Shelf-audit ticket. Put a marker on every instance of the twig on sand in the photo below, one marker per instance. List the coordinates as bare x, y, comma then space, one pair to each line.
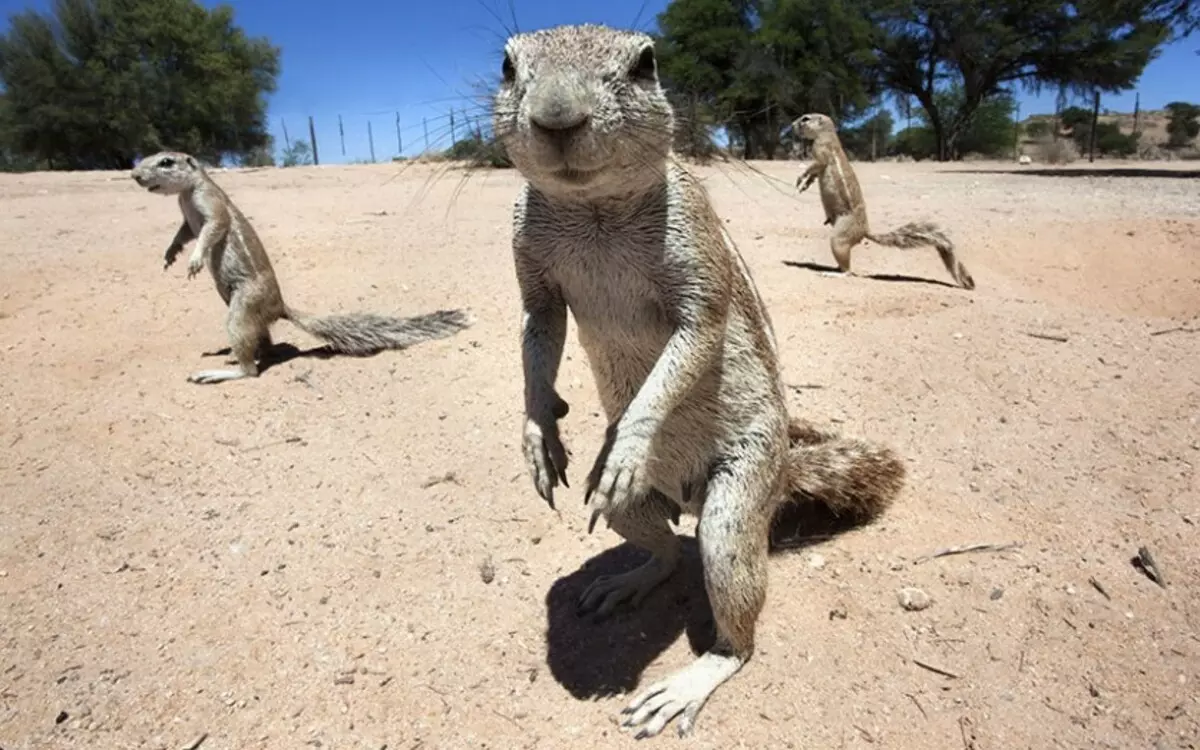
1176, 329
1047, 337
947, 551
935, 670
917, 703
199, 741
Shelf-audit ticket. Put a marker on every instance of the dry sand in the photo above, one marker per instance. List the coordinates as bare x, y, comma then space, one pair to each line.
348, 553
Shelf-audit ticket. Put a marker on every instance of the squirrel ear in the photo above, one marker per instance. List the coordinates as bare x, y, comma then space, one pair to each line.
192, 163
646, 67
507, 69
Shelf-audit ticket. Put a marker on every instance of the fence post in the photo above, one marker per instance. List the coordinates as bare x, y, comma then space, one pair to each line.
1095, 121
312, 134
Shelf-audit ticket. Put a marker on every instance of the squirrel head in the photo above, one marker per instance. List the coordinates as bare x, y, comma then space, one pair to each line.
811, 125
168, 172
580, 111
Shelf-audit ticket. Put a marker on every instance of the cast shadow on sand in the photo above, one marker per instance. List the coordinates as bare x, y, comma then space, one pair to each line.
819, 268
1127, 172
279, 353
601, 659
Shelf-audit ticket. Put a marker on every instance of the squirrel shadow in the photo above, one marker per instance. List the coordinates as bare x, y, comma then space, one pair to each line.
280, 353
819, 268
599, 659
1128, 172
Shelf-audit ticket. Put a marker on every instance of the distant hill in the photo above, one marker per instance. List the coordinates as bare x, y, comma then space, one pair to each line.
1151, 123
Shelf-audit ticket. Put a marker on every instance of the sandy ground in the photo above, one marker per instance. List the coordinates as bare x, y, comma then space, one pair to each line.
348, 553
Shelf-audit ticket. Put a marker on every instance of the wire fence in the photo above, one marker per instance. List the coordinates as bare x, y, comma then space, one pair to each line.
378, 136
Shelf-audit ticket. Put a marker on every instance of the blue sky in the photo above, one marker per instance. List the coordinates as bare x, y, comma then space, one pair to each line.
369, 60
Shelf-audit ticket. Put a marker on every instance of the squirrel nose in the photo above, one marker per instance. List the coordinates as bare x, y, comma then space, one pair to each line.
560, 120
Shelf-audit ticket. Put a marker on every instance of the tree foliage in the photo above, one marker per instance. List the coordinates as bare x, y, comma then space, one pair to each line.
1183, 125
96, 83
989, 131
481, 149
752, 66
297, 154
870, 139
987, 45
1109, 138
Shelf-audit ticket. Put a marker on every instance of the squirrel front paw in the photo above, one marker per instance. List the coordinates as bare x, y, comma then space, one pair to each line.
172, 252
545, 456
620, 473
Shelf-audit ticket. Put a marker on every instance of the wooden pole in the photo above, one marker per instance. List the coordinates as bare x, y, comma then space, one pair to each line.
312, 134
342, 135
371, 141
1137, 110
425, 127
453, 136
1095, 120
1017, 132
287, 141
399, 139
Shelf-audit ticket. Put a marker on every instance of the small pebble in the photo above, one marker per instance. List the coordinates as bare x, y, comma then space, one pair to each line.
996, 594
816, 562
913, 600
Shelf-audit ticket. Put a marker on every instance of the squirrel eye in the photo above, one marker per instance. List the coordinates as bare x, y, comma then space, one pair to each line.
168, 162
508, 69
646, 68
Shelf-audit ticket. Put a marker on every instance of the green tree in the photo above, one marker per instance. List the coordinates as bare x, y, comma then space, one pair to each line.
1037, 129
917, 142
1184, 123
870, 138
1109, 138
699, 46
986, 45
988, 131
297, 154
96, 83
479, 149
752, 66
263, 156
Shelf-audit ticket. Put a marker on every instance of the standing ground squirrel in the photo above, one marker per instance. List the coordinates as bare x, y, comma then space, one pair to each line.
246, 281
611, 227
846, 210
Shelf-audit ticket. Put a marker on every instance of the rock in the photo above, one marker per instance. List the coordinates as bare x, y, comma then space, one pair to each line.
914, 600
816, 562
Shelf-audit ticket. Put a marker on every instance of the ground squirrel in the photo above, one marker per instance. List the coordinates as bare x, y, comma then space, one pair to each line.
611, 227
246, 281
846, 210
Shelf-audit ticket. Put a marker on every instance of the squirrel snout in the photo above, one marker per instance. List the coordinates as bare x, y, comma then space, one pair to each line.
557, 109
559, 120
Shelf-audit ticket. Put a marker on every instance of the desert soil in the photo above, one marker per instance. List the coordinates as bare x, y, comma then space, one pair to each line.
348, 553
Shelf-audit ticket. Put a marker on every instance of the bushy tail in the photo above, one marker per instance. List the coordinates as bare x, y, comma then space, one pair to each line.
366, 333
924, 234
851, 477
